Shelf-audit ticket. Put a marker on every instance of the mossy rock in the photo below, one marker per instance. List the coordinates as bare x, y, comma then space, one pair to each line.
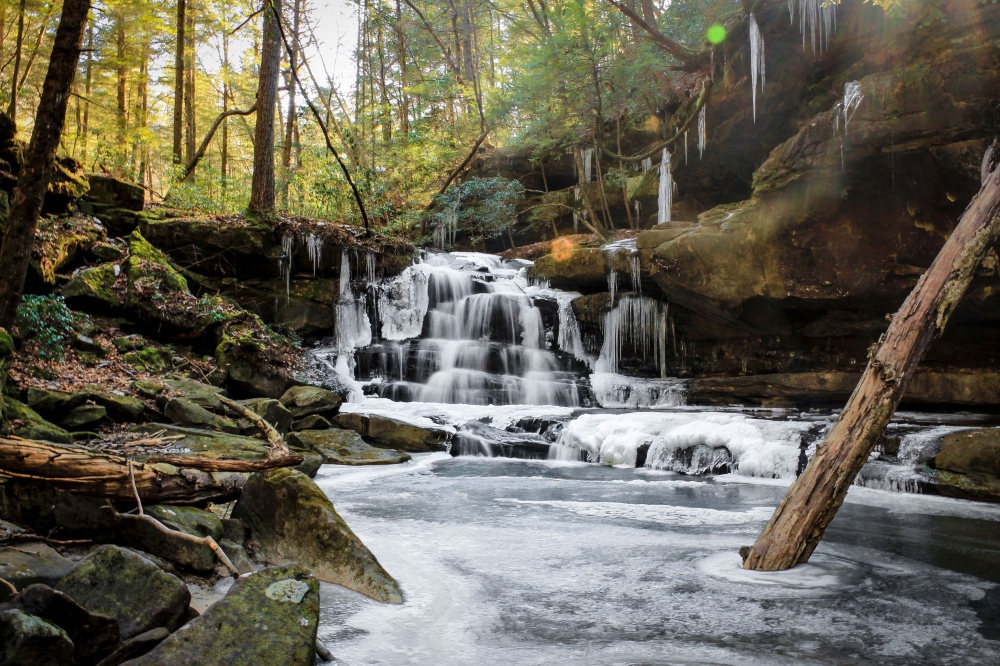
26, 639
345, 447
202, 394
968, 465
393, 434
304, 401
34, 426
186, 413
31, 563
207, 444
290, 519
119, 583
189, 519
272, 411
579, 268
270, 617
154, 360
94, 287
253, 358
59, 240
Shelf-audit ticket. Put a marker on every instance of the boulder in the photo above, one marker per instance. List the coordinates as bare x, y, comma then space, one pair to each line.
56, 403
269, 617
311, 461
136, 646
59, 241
206, 443
93, 635
253, 358
390, 433
115, 582
33, 562
237, 554
45, 401
271, 411
305, 401
290, 519
189, 519
33, 426
203, 395
345, 447
186, 413
968, 465
133, 531
311, 422
26, 639
115, 193
576, 268
82, 417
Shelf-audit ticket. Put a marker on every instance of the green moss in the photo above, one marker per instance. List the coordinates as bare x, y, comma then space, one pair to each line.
95, 283
6, 344
150, 359
147, 264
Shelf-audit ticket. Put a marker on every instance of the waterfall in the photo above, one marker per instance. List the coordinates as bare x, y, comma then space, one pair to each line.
666, 189
756, 61
640, 322
352, 328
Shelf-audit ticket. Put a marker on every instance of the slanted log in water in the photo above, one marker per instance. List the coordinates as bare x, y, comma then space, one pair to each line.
89, 472
813, 499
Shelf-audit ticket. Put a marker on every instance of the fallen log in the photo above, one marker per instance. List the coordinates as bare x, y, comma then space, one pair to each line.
813, 499
88, 472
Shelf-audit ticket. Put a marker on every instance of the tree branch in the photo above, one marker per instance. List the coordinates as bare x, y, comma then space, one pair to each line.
649, 152
211, 133
679, 51
447, 54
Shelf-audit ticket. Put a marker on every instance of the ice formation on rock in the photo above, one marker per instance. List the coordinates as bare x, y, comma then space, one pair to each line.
647, 165
756, 61
314, 250
818, 18
588, 158
666, 189
640, 322
702, 132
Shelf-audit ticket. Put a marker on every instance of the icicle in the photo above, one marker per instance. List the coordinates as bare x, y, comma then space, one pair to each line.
314, 247
756, 61
820, 21
588, 157
852, 98
370, 266
666, 190
702, 132
685, 147
647, 165
638, 209
287, 248
635, 269
612, 285
576, 222
791, 12
640, 322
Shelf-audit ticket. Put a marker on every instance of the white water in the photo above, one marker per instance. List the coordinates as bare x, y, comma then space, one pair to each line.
516, 563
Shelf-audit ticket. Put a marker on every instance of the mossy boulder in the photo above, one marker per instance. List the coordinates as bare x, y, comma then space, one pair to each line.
94, 288
968, 465
393, 434
272, 411
55, 403
573, 268
254, 359
207, 444
119, 583
189, 519
26, 639
204, 395
33, 562
59, 240
269, 617
84, 416
290, 519
345, 447
312, 422
305, 401
32, 426
115, 192
184, 412
6, 357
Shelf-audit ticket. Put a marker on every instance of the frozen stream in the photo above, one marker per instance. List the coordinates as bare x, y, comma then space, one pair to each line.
546, 562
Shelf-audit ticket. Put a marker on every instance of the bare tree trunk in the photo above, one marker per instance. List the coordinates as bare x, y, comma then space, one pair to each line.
179, 84
87, 90
290, 119
404, 103
813, 499
384, 114
224, 166
38, 163
140, 150
18, 47
262, 185
190, 70
121, 72
467, 64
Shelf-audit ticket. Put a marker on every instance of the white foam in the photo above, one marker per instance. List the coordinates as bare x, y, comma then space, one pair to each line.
444, 415
664, 514
820, 572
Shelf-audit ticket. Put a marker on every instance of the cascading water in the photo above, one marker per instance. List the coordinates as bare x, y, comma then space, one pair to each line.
468, 328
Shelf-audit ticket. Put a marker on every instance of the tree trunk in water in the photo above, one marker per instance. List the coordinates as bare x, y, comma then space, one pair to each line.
18, 48
189, 90
38, 163
179, 85
813, 499
262, 185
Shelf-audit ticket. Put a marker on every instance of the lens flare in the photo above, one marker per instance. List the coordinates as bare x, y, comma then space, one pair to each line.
562, 249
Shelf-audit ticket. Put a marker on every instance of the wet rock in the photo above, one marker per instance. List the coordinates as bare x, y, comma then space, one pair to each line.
969, 465
311, 461
186, 413
253, 358
135, 646
26, 639
305, 401
477, 439
83, 416
31, 562
271, 411
32, 425
290, 519
203, 395
141, 534
345, 447
312, 422
578, 268
237, 554
390, 433
189, 519
269, 617
93, 635
115, 582
206, 443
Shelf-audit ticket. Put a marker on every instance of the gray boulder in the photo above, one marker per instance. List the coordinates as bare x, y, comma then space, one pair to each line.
304, 401
269, 617
118, 583
290, 519
383, 431
201, 394
312, 422
33, 562
189, 519
26, 639
345, 447
271, 411
187, 413
82, 417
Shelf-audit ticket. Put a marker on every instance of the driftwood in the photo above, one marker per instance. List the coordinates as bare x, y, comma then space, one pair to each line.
274, 437
88, 472
813, 499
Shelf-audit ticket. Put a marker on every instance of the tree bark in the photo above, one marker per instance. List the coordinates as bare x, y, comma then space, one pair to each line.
179, 84
18, 47
290, 118
34, 178
404, 104
262, 184
190, 70
121, 71
813, 499
95, 474
200, 153
87, 89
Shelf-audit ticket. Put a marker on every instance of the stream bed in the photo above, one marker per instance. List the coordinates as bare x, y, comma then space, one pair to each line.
540, 562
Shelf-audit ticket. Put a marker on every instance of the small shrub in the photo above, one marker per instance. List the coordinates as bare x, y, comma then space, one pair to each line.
47, 321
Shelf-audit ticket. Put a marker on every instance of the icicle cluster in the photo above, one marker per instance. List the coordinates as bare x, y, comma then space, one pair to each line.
314, 247
647, 165
352, 328
612, 285
570, 340
588, 158
445, 232
370, 267
818, 18
640, 322
636, 270
285, 263
756, 61
666, 190
702, 132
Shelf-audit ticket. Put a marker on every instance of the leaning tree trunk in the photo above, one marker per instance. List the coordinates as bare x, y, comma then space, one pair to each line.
813, 499
262, 184
34, 179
